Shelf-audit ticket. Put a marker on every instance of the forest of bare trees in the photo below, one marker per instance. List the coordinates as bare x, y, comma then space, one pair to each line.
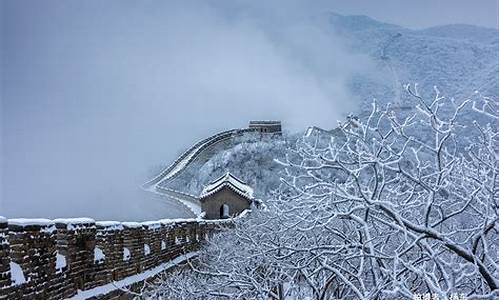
393, 207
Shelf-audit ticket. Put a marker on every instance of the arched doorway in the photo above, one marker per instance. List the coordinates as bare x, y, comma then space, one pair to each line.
224, 211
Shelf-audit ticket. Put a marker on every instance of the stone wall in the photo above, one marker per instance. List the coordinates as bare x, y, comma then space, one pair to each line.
58, 259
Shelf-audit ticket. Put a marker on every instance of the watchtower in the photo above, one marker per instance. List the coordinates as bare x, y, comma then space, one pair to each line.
266, 126
225, 197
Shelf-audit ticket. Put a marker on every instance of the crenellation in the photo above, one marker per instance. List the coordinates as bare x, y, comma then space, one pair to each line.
109, 239
152, 242
166, 242
32, 248
133, 242
44, 259
190, 231
76, 241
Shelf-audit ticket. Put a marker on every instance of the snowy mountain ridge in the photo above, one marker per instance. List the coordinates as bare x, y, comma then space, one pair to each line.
458, 59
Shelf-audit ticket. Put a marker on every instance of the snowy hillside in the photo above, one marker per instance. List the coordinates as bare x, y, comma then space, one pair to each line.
459, 59
250, 158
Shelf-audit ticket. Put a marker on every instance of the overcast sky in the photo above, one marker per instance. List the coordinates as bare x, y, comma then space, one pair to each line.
95, 93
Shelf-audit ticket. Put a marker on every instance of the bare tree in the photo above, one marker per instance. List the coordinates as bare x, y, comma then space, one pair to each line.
385, 208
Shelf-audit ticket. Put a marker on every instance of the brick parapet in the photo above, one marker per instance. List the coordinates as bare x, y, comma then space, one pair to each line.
5, 277
53, 259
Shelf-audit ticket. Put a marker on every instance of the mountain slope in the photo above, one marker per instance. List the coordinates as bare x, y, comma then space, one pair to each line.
459, 59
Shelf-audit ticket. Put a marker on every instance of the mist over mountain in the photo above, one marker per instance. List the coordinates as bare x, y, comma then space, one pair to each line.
312, 71
458, 59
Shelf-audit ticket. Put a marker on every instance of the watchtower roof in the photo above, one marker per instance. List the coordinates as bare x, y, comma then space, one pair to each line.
265, 122
230, 181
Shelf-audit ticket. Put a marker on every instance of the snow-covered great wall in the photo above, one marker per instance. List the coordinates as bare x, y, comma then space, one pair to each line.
83, 259
198, 152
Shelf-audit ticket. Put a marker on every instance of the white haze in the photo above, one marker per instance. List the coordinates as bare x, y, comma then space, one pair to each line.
97, 93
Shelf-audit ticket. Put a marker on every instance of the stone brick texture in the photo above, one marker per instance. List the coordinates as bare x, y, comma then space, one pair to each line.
35, 248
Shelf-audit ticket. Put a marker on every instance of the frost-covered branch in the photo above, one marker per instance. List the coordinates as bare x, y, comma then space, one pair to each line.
380, 208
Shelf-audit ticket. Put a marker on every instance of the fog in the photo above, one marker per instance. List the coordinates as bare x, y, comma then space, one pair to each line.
95, 94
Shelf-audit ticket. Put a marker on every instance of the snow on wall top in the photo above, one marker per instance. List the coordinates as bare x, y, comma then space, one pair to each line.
74, 224
152, 224
156, 185
30, 222
107, 223
132, 224
185, 158
228, 180
74, 221
3, 219
110, 225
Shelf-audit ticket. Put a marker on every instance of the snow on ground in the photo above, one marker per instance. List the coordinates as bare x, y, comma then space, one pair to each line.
121, 284
196, 209
193, 207
179, 165
182, 164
